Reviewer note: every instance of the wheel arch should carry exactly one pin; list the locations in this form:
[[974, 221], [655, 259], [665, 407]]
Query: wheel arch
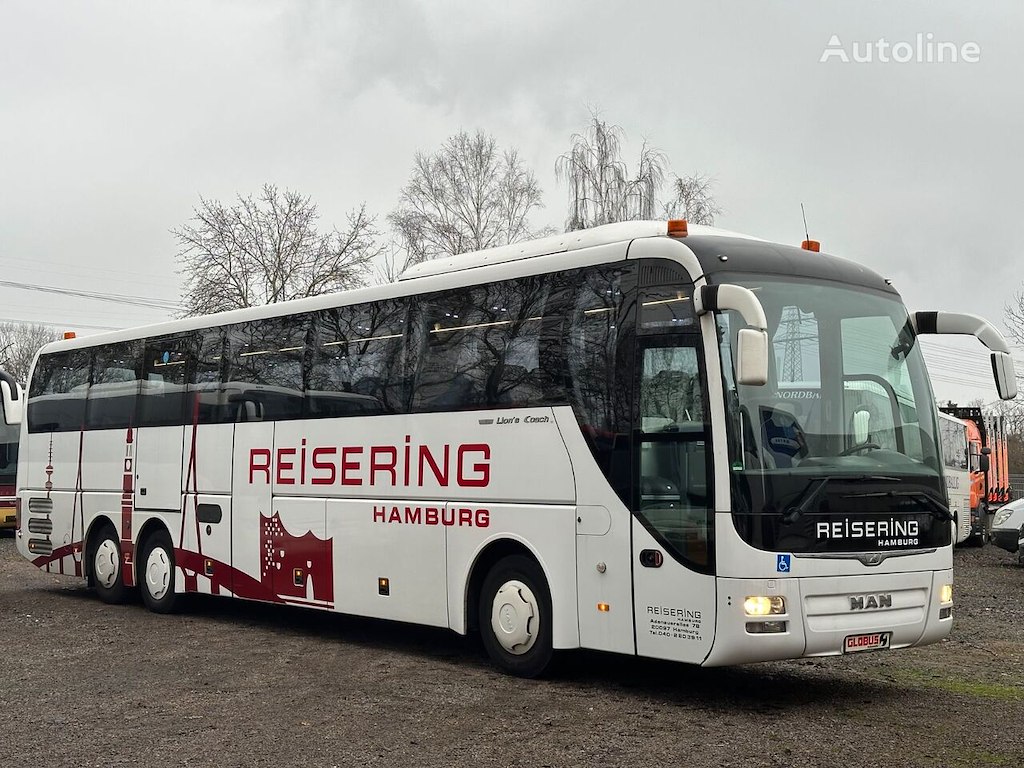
[[150, 528], [488, 556], [96, 525]]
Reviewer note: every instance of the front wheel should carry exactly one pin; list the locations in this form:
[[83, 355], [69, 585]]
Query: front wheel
[[105, 557], [157, 577], [515, 617]]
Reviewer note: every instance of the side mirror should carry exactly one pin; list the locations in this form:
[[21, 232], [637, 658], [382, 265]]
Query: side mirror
[[751, 343], [985, 332], [983, 463], [752, 357], [1005, 375], [861, 426], [11, 399]]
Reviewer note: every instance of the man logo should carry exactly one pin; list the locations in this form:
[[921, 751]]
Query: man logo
[[867, 602]]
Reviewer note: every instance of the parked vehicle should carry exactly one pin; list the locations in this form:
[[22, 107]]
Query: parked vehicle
[[990, 478], [1008, 528]]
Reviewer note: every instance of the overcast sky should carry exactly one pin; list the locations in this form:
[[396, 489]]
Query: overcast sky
[[116, 116]]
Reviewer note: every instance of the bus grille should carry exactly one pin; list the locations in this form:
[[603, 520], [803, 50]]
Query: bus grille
[[40, 546], [43, 525], [40, 506]]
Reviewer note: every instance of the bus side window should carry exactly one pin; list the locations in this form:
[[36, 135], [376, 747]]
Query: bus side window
[[114, 387], [266, 374], [207, 400], [482, 347], [355, 361], [60, 384], [166, 365]]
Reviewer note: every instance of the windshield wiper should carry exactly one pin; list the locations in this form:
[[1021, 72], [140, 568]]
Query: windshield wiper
[[810, 497], [807, 499], [935, 508]]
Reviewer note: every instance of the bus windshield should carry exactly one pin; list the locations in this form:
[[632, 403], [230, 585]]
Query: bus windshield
[[848, 405]]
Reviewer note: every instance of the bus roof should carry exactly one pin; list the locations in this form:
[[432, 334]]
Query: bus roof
[[708, 244]]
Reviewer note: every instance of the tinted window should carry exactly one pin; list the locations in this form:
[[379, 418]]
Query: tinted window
[[166, 367], [355, 365], [486, 347], [115, 386], [208, 401], [600, 303], [265, 379], [58, 390]]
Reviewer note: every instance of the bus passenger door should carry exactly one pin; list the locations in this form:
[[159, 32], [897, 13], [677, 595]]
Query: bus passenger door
[[673, 521]]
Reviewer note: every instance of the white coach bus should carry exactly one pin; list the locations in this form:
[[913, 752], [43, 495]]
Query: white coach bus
[[955, 458], [585, 441]]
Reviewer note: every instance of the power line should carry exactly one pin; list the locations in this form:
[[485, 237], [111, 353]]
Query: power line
[[135, 300]]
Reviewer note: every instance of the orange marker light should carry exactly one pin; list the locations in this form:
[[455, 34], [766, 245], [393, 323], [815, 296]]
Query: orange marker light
[[677, 227], [811, 245], [69, 334], [603, 607]]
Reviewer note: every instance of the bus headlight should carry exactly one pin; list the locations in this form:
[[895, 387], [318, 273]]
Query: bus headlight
[[946, 594], [760, 605]]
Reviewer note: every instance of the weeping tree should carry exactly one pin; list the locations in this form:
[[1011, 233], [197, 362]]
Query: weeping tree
[[692, 199], [269, 249], [601, 188], [468, 195]]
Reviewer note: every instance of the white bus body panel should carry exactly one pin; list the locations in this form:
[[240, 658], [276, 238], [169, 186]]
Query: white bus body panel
[[210, 446], [675, 607], [158, 473], [602, 558], [252, 505], [547, 531], [411, 557], [958, 490]]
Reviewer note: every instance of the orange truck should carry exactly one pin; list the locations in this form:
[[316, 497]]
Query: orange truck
[[989, 466]]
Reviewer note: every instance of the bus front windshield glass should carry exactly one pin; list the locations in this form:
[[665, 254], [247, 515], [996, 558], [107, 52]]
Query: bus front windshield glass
[[839, 452]]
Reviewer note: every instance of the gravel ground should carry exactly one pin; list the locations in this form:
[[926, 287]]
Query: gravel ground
[[83, 683]]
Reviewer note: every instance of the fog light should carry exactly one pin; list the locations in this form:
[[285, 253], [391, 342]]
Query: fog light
[[765, 627], [760, 605], [946, 593], [945, 613]]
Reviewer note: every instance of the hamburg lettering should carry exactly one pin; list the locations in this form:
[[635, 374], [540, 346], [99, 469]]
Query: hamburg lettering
[[446, 516], [467, 465]]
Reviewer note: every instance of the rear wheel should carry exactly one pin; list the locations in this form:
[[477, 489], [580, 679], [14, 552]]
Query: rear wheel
[[105, 558], [157, 577], [515, 617]]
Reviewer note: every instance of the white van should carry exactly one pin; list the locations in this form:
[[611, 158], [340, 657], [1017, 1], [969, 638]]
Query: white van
[[1008, 528]]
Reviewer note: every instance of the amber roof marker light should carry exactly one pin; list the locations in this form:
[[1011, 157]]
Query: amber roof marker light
[[677, 228], [808, 245]]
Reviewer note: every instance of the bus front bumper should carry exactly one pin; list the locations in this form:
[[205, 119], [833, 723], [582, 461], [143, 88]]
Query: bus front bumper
[[831, 616]]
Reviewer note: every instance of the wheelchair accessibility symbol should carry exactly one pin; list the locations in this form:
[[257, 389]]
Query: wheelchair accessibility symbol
[[782, 564]]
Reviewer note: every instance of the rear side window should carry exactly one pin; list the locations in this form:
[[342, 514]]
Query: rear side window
[[115, 386], [57, 394]]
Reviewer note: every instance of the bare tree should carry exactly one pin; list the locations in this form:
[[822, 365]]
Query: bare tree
[[601, 188], [1014, 318], [19, 343], [266, 250], [692, 199], [467, 196]]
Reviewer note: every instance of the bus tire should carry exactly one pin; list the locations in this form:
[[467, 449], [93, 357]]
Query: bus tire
[[105, 561], [156, 575], [515, 617]]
